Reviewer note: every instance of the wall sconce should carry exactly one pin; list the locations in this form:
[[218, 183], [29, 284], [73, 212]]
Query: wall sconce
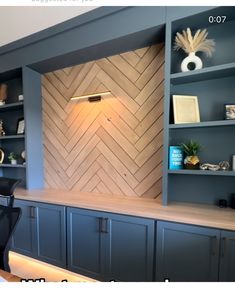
[[91, 97]]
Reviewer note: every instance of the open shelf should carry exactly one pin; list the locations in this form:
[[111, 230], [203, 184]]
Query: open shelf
[[13, 166], [203, 124], [202, 172], [20, 136], [12, 106], [208, 73]]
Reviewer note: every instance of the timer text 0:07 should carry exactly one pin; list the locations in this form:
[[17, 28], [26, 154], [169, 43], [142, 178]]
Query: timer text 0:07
[[217, 19]]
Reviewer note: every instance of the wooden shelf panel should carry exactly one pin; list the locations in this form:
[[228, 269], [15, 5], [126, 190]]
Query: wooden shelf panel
[[202, 172], [12, 106], [208, 73], [203, 124]]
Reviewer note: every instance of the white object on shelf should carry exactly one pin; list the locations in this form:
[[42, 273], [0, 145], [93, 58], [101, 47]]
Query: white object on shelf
[[191, 58], [21, 97]]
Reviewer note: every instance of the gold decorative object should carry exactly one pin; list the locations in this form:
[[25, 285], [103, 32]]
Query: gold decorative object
[[2, 132]]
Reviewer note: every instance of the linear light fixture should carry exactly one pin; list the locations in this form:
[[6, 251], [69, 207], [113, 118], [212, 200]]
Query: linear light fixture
[[91, 97]]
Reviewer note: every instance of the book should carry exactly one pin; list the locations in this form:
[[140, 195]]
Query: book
[[176, 158]]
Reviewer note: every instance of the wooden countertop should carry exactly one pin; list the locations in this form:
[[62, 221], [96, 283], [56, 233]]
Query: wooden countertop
[[197, 214], [9, 277]]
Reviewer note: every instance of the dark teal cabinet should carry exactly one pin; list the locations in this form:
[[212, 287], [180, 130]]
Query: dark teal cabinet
[[109, 246], [187, 253], [131, 248], [227, 256], [85, 242], [25, 235], [41, 232]]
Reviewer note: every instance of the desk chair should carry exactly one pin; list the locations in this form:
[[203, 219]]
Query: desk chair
[[7, 188], [9, 217]]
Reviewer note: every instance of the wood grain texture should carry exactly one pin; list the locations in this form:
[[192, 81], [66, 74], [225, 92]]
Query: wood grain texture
[[188, 213], [111, 147]]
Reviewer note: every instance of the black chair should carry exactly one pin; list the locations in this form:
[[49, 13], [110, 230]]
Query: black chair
[[7, 188], [9, 217]]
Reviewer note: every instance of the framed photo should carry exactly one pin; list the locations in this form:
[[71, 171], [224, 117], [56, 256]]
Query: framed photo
[[186, 109], [20, 126], [229, 111]]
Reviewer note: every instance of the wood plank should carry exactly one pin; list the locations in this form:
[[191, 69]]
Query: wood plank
[[103, 188], [94, 181], [131, 57], [153, 67], [153, 192], [91, 171], [151, 102], [118, 91], [148, 136], [118, 137], [79, 156], [78, 133], [149, 165], [117, 150], [145, 61], [108, 168], [141, 52], [109, 182], [124, 67], [152, 116], [147, 183], [149, 150], [121, 125], [117, 164], [150, 86], [77, 171], [53, 103]]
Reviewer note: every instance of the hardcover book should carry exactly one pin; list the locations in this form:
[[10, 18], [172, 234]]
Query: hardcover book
[[176, 157]]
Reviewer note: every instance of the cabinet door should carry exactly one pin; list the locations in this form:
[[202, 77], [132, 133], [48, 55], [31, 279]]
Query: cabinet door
[[85, 242], [227, 260], [24, 238], [130, 248], [187, 253], [51, 234]]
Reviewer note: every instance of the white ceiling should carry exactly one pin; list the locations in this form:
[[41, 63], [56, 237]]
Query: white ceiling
[[18, 22]]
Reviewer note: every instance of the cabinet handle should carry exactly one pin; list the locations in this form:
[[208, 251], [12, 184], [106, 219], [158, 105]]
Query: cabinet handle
[[104, 225], [213, 245], [32, 212], [224, 246]]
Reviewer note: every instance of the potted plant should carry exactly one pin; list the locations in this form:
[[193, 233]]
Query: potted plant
[[191, 149], [13, 158]]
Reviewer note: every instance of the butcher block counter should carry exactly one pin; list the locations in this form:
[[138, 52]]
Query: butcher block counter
[[197, 214]]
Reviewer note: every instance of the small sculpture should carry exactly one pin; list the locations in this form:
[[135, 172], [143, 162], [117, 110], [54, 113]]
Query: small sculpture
[[2, 132], [3, 93], [223, 165]]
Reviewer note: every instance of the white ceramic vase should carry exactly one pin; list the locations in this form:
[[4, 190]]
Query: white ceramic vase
[[13, 161], [191, 60]]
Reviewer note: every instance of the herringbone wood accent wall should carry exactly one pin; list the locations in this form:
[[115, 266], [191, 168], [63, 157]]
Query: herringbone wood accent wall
[[113, 146]]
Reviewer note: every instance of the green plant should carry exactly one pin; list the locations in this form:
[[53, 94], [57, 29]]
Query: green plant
[[12, 156], [191, 148]]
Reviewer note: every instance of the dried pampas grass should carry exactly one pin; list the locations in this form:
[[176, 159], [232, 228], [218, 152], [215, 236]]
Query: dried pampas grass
[[195, 43]]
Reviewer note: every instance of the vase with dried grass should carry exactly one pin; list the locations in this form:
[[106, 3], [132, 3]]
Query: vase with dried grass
[[192, 44]]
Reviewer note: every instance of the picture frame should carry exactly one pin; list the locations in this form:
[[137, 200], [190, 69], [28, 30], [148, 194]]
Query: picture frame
[[20, 126], [185, 109], [229, 111]]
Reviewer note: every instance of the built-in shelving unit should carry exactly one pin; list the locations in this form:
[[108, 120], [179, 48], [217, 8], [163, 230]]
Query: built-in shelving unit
[[26, 82], [214, 85]]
